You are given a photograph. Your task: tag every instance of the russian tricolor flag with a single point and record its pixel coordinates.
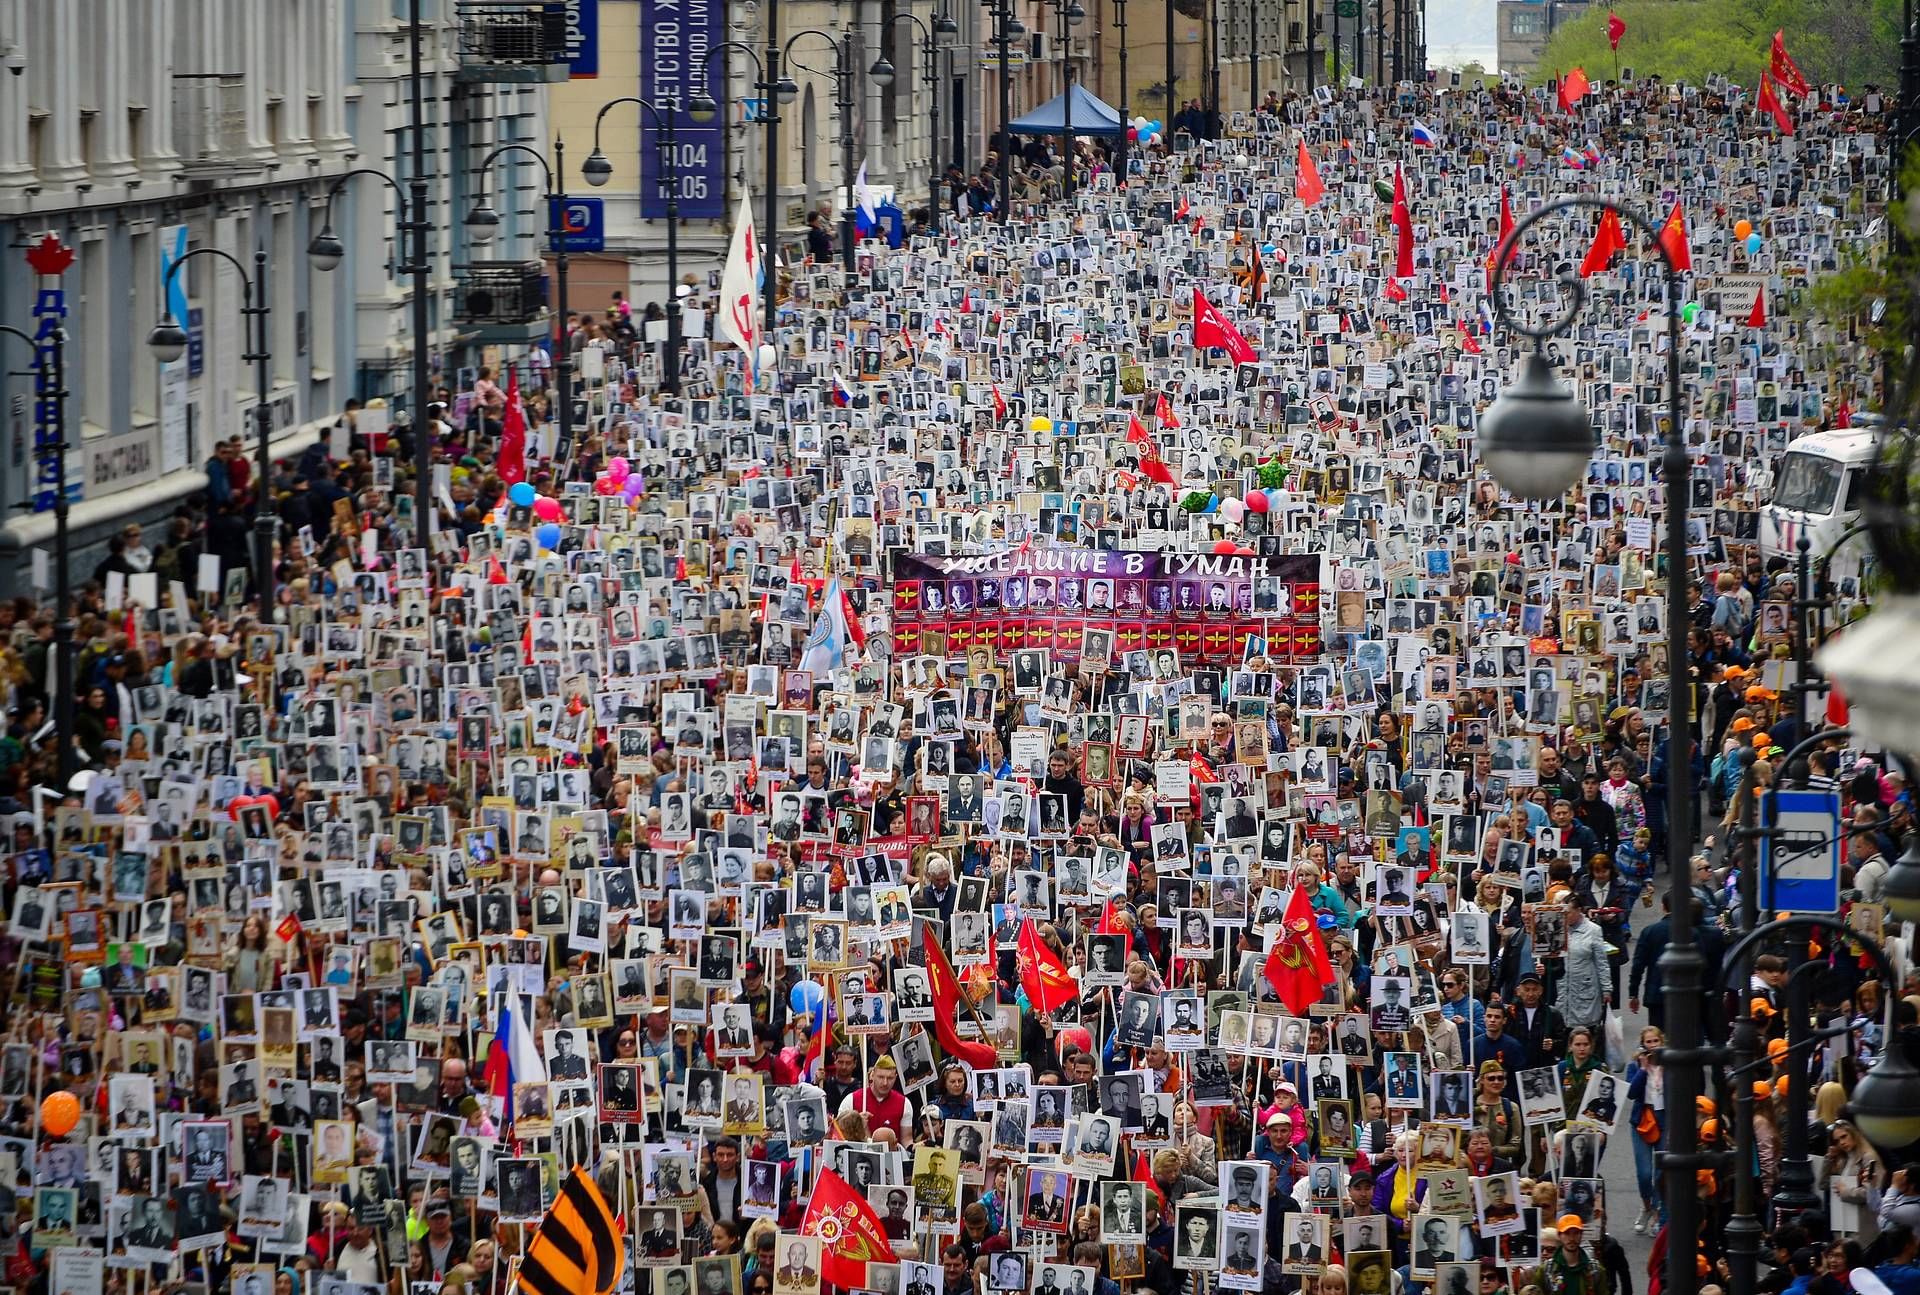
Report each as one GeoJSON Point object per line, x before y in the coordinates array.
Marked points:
{"type": "Point", "coordinates": [1574, 158]}
{"type": "Point", "coordinates": [512, 1058]}
{"type": "Point", "coordinates": [842, 394]}
{"type": "Point", "coordinates": [1423, 136]}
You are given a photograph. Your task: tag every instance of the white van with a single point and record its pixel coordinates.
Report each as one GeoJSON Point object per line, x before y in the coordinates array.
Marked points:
{"type": "Point", "coordinates": [1818, 487]}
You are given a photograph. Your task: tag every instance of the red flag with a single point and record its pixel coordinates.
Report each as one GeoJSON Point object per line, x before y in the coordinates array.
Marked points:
{"type": "Point", "coordinates": [1143, 1174]}
{"type": "Point", "coordinates": [1757, 317]}
{"type": "Point", "coordinates": [1843, 416]}
{"type": "Point", "coordinates": [851, 1234]}
{"type": "Point", "coordinates": [1042, 972]}
{"type": "Point", "coordinates": [1573, 88]}
{"type": "Point", "coordinates": [1499, 252]}
{"type": "Point", "coordinates": [999, 404]}
{"type": "Point", "coordinates": [1163, 411]}
{"type": "Point", "coordinates": [1403, 227]}
{"type": "Point", "coordinates": [1607, 239]}
{"type": "Point", "coordinates": [1769, 103]}
{"type": "Point", "coordinates": [1297, 965]}
{"type": "Point", "coordinates": [1211, 328]}
{"type": "Point", "coordinates": [1154, 468]}
{"type": "Point", "coordinates": [1468, 342]}
{"type": "Point", "coordinates": [511, 461]}
{"type": "Point", "coordinates": [1110, 926]}
{"type": "Point", "coordinates": [1306, 178]}
{"type": "Point", "coordinates": [1615, 29]}
{"type": "Point", "coordinates": [1673, 238]}
{"type": "Point", "coordinates": [1137, 433]}
{"type": "Point", "coordinates": [1784, 69]}
{"type": "Point", "coordinates": [945, 987]}
{"type": "Point", "coordinates": [1838, 711]}
{"type": "Point", "coordinates": [1182, 213]}
{"type": "Point", "coordinates": [496, 574]}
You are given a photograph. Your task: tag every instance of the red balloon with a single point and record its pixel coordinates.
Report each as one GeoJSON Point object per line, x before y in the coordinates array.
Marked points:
{"type": "Point", "coordinates": [1256, 501]}
{"type": "Point", "coordinates": [1132, 134]}
{"type": "Point", "coordinates": [606, 486]}
{"type": "Point", "coordinates": [1224, 548]}
{"type": "Point", "coordinates": [239, 803]}
{"type": "Point", "coordinates": [547, 508]}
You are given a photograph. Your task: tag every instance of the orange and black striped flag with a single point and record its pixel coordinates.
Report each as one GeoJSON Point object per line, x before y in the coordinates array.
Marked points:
{"type": "Point", "coordinates": [577, 1249]}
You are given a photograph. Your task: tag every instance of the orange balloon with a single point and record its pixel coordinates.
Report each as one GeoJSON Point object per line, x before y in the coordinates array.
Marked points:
{"type": "Point", "coordinates": [59, 1113]}
{"type": "Point", "coordinates": [1741, 228]}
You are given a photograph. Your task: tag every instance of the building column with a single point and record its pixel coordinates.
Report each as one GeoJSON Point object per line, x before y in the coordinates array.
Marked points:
{"type": "Point", "coordinates": [158, 18]}
{"type": "Point", "coordinates": [58, 29]}
{"type": "Point", "coordinates": [298, 57]}
{"type": "Point", "coordinates": [334, 30]}
{"type": "Point", "coordinates": [16, 159]}
{"type": "Point", "coordinates": [247, 38]}
{"type": "Point", "coordinates": [114, 30]}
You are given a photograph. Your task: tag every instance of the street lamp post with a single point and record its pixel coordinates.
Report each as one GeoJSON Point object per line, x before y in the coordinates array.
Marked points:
{"type": "Point", "coordinates": [598, 170]}
{"type": "Point", "coordinates": [1068, 14]}
{"type": "Point", "coordinates": [1536, 441]}
{"type": "Point", "coordinates": [704, 109]}
{"type": "Point", "coordinates": [883, 73]}
{"type": "Point", "coordinates": [168, 341]}
{"type": "Point", "coordinates": [483, 221]}
{"type": "Point", "coordinates": [50, 394]}
{"type": "Point", "coordinates": [789, 90]}
{"type": "Point", "coordinates": [1120, 21]}
{"type": "Point", "coordinates": [1173, 74]}
{"type": "Point", "coordinates": [1006, 29]}
{"type": "Point", "coordinates": [419, 227]}
{"type": "Point", "coordinates": [326, 251]}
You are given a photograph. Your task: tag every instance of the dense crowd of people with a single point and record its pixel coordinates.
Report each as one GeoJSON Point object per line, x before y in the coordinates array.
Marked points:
{"type": "Point", "coordinates": [1130, 819]}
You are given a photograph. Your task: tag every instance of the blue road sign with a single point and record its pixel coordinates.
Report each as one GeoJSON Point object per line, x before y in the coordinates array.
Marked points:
{"type": "Point", "coordinates": [584, 219]}
{"type": "Point", "coordinates": [1800, 862]}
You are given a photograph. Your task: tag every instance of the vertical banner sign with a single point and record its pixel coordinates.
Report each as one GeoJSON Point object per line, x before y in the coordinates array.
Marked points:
{"type": "Point", "coordinates": [676, 37]}
{"type": "Point", "coordinates": [49, 260]}
{"type": "Point", "coordinates": [583, 37]}
{"type": "Point", "coordinates": [174, 451]}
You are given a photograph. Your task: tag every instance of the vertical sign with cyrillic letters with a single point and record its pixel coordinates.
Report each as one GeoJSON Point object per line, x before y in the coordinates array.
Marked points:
{"type": "Point", "coordinates": [677, 38]}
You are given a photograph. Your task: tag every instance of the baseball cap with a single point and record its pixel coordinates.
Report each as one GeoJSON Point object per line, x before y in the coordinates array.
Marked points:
{"type": "Point", "coordinates": [1531, 976]}
{"type": "Point", "coordinates": [1741, 725]}
{"type": "Point", "coordinates": [1569, 1222]}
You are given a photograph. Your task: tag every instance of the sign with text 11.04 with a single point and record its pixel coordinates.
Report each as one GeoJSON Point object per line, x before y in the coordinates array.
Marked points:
{"type": "Point", "coordinates": [1800, 856]}
{"type": "Point", "coordinates": [677, 39]}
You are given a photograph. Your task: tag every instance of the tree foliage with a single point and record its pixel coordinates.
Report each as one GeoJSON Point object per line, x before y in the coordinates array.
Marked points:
{"type": "Point", "coordinates": [1850, 42]}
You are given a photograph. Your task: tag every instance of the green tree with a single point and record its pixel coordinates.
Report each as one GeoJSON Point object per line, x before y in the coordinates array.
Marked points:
{"type": "Point", "coordinates": [1851, 42]}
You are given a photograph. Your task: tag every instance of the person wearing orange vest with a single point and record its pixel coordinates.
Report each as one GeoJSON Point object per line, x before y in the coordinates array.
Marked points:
{"type": "Point", "coordinates": [881, 1101]}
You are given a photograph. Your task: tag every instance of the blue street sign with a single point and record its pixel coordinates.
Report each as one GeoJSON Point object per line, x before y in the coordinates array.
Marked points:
{"type": "Point", "coordinates": [753, 109]}
{"type": "Point", "coordinates": [583, 37]}
{"type": "Point", "coordinates": [584, 219]}
{"type": "Point", "coordinates": [1800, 863]}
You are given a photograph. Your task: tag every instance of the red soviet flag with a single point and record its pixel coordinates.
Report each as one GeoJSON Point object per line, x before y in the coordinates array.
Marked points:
{"type": "Point", "coordinates": [1573, 88]}
{"type": "Point", "coordinates": [511, 460]}
{"type": "Point", "coordinates": [1499, 251]}
{"type": "Point", "coordinates": [1607, 239]}
{"type": "Point", "coordinates": [1042, 972]}
{"type": "Point", "coordinates": [1616, 28]}
{"type": "Point", "coordinates": [1403, 227]}
{"type": "Point", "coordinates": [851, 1235]}
{"type": "Point", "coordinates": [1211, 328]}
{"type": "Point", "coordinates": [1784, 69]}
{"type": "Point", "coordinates": [1673, 238]}
{"type": "Point", "coordinates": [1297, 965]}
{"type": "Point", "coordinates": [1757, 317]}
{"type": "Point", "coordinates": [945, 987]}
{"type": "Point", "coordinates": [1769, 103]}
{"type": "Point", "coordinates": [1306, 178]}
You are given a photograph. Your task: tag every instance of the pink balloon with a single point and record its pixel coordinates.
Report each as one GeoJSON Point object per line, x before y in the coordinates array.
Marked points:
{"type": "Point", "coordinates": [618, 468]}
{"type": "Point", "coordinates": [1257, 501]}
{"type": "Point", "coordinates": [547, 508]}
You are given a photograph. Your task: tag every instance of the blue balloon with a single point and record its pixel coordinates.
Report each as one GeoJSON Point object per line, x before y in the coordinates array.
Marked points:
{"type": "Point", "coordinates": [548, 535]}
{"type": "Point", "coordinates": [806, 997]}
{"type": "Point", "coordinates": [522, 493]}
{"type": "Point", "coordinates": [1753, 243]}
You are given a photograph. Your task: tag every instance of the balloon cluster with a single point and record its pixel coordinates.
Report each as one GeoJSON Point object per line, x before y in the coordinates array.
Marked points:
{"type": "Point", "coordinates": [545, 507]}
{"type": "Point", "coordinates": [1230, 509]}
{"type": "Point", "coordinates": [1144, 128]}
{"type": "Point", "coordinates": [1746, 233]}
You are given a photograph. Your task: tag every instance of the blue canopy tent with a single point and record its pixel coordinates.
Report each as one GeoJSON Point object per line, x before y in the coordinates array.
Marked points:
{"type": "Point", "coordinates": [1089, 116]}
